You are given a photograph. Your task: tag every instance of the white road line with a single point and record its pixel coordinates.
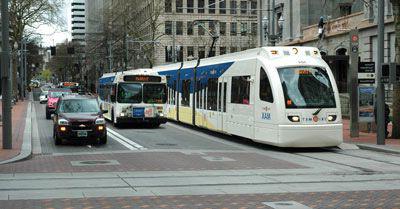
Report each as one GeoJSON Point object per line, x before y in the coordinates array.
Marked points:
{"type": "Point", "coordinates": [121, 141]}
{"type": "Point", "coordinates": [134, 144]}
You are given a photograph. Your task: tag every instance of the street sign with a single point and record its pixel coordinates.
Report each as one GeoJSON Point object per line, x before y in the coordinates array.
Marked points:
{"type": "Point", "coordinates": [366, 96]}
{"type": "Point", "coordinates": [366, 72]}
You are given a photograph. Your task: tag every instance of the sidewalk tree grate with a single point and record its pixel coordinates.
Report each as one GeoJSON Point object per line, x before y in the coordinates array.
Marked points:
{"type": "Point", "coordinates": [94, 162]}
{"type": "Point", "coordinates": [286, 205]}
{"type": "Point", "coordinates": [218, 159]}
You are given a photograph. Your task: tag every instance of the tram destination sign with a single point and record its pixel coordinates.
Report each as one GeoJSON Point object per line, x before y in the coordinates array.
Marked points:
{"type": "Point", "coordinates": [366, 72]}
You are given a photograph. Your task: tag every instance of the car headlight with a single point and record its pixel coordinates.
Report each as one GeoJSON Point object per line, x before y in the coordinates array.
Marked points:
{"type": "Point", "coordinates": [62, 122]}
{"type": "Point", "coordinates": [161, 114]}
{"type": "Point", "coordinates": [100, 121]}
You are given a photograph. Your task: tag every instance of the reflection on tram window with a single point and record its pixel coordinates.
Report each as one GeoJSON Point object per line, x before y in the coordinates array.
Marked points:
{"type": "Point", "coordinates": [240, 91]}
{"type": "Point", "coordinates": [307, 87]}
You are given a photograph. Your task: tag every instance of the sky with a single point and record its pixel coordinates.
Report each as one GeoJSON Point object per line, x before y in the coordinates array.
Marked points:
{"type": "Point", "coordinates": [51, 35]}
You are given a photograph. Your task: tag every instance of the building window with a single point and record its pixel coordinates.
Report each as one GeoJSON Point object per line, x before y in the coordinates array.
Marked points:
{"type": "Point", "coordinates": [201, 30]}
{"type": "Point", "coordinates": [265, 87]}
{"type": "Point", "coordinates": [200, 5]}
{"type": "Point", "coordinates": [243, 7]}
{"type": "Point", "coordinates": [345, 9]}
{"type": "Point", "coordinates": [254, 28]}
{"type": "Point", "coordinates": [179, 5]}
{"type": "Point", "coordinates": [222, 28]}
{"type": "Point", "coordinates": [211, 27]}
{"type": "Point", "coordinates": [168, 6]}
{"type": "Point", "coordinates": [168, 27]}
{"type": "Point", "coordinates": [168, 54]}
{"type": "Point", "coordinates": [233, 28]}
{"type": "Point", "coordinates": [253, 6]}
{"type": "Point", "coordinates": [233, 49]}
{"type": "Point", "coordinates": [240, 91]}
{"type": "Point", "coordinates": [222, 50]}
{"type": "Point", "coordinates": [190, 51]}
{"type": "Point", "coordinates": [190, 6]}
{"type": "Point", "coordinates": [179, 53]}
{"type": "Point", "coordinates": [222, 7]}
{"type": "Point", "coordinates": [189, 28]}
{"type": "Point", "coordinates": [233, 7]}
{"type": "Point", "coordinates": [212, 89]}
{"type": "Point", "coordinates": [185, 93]}
{"type": "Point", "coordinates": [211, 6]}
{"type": "Point", "coordinates": [179, 28]}
{"type": "Point", "coordinates": [243, 29]}
{"type": "Point", "coordinates": [202, 52]}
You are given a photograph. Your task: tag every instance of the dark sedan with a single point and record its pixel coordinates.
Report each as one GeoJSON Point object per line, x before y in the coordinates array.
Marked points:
{"type": "Point", "coordinates": [79, 117]}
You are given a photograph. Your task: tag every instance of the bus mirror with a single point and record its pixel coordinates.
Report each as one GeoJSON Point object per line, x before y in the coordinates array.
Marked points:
{"type": "Point", "coordinates": [251, 80]}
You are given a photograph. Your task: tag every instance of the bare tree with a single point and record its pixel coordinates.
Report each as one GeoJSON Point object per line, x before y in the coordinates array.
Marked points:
{"type": "Point", "coordinates": [396, 87]}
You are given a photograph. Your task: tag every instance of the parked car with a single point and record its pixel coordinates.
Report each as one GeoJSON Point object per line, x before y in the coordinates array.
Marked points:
{"type": "Point", "coordinates": [52, 99]}
{"type": "Point", "coordinates": [79, 117]}
{"type": "Point", "coordinates": [43, 97]}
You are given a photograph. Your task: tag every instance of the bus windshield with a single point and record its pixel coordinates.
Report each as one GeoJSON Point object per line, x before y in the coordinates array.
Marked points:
{"type": "Point", "coordinates": [306, 87]}
{"type": "Point", "coordinates": [154, 93]}
{"type": "Point", "coordinates": [129, 93]}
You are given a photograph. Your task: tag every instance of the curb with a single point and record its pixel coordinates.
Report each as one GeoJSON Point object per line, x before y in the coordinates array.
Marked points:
{"type": "Point", "coordinates": [379, 148]}
{"type": "Point", "coordinates": [26, 148]}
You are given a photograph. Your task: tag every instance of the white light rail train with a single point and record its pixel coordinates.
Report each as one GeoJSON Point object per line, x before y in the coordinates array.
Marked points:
{"type": "Point", "coordinates": [282, 96]}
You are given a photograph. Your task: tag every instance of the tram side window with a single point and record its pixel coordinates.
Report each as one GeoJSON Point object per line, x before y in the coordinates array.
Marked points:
{"type": "Point", "coordinates": [185, 93]}
{"type": "Point", "coordinates": [198, 92]}
{"type": "Point", "coordinates": [173, 93]}
{"type": "Point", "coordinates": [224, 99]}
{"type": "Point", "coordinates": [212, 93]}
{"type": "Point", "coordinates": [265, 87]}
{"type": "Point", "coordinates": [240, 91]}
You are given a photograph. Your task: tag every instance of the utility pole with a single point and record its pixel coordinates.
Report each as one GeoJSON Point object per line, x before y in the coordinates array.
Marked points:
{"type": "Point", "coordinates": [353, 82]}
{"type": "Point", "coordinates": [173, 42]}
{"type": "Point", "coordinates": [110, 56]}
{"type": "Point", "coordinates": [24, 69]}
{"type": "Point", "coordinates": [5, 76]}
{"type": "Point", "coordinates": [260, 23]}
{"type": "Point", "coordinates": [273, 40]}
{"type": "Point", "coordinates": [380, 103]}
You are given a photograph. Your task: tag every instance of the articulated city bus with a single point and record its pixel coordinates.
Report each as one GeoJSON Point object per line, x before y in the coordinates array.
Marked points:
{"type": "Point", "coordinates": [133, 96]}
{"type": "Point", "coordinates": [283, 96]}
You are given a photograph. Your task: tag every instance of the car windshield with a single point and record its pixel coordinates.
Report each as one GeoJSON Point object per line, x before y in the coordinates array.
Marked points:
{"type": "Point", "coordinates": [154, 93]}
{"type": "Point", "coordinates": [59, 93]}
{"type": "Point", "coordinates": [306, 87]}
{"type": "Point", "coordinates": [79, 106]}
{"type": "Point", "coordinates": [129, 93]}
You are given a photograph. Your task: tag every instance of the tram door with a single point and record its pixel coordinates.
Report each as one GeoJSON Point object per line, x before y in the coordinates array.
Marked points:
{"type": "Point", "coordinates": [221, 105]}
{"type": "Point", "coordinates": [265, 111]}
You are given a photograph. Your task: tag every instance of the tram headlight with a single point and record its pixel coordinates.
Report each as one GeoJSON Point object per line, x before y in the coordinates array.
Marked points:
{"type": "Point", "coordinates": [294, 118]}
{"type": "Point", "coordinates": [331, 118]}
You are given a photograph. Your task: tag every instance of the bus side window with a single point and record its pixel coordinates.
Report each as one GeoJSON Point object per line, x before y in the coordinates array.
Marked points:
{"type": "Point", "coordinates": [265, 87]}
{"type": "Point", "coordinates": [113, 93]}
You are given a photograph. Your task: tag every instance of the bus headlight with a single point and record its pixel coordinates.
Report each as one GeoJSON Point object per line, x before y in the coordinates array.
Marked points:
{"type": "Point", "coordinates": [294, 118]}
{"type": "Point", "coordinates": [331, 118]}
{"type": "Point", "coordinates": [122, 114]}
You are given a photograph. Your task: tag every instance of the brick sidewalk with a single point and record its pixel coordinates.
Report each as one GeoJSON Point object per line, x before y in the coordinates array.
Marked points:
{"type": "Point", "coordinates": [18, 122]}
{"type": "Point", "coordinates": [366, 138]}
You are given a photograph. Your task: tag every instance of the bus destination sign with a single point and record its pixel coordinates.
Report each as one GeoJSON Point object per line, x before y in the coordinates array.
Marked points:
{"type": "Point", "coordinates": [142, 78]}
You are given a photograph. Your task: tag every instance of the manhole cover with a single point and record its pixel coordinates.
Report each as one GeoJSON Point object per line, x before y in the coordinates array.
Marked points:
{"type": "Point", "coordinates": [218, 159]}
{"type": "Point", "coordinates": [286, 205]}
{"type": "Point", "coordinates": [94, 162]}
{"type": "Point", "coordinates": [166, 144]}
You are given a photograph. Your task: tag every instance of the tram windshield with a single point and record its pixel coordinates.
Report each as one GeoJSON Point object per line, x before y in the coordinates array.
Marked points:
{"type": "Point", "coordinates": [307, 87]}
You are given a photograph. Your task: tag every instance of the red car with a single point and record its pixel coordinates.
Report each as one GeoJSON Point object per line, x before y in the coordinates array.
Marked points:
{"type": "Point", "coordinates": [79, 117]}
{"type": "Point", "coordinates": [52, 99]}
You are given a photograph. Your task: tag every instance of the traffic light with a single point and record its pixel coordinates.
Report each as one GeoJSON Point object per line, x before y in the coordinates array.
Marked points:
{"type": "Point", "coordinates": [53, 50]}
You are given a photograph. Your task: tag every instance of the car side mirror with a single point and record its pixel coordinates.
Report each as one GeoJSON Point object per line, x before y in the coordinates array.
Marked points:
{"type": "Point", "coordinates": [104, 111]}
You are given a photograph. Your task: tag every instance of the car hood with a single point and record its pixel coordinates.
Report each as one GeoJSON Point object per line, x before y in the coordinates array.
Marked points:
{"type": "Point", "coordinates": [80, 116]}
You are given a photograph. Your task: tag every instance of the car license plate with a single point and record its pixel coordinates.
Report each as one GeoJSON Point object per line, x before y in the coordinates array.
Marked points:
{"type": "Point", "coordinates": [82, 133]}
{"type": "Point", "coordinates": [138, 112]}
